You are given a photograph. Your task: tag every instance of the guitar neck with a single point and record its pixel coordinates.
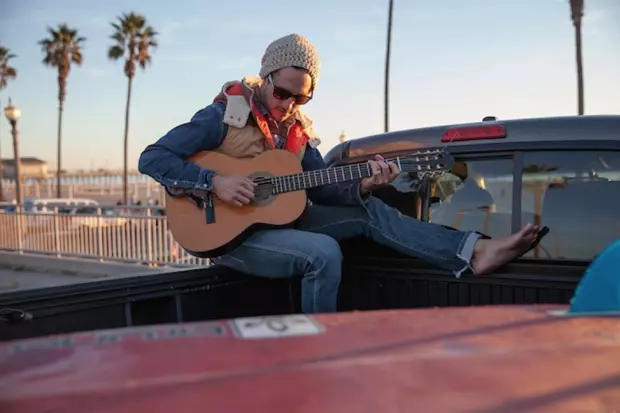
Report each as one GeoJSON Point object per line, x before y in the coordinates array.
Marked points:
{"type": "Point", "coordinates": [424, 162]}
{"type": "Point", "coordinates": [320, 177]}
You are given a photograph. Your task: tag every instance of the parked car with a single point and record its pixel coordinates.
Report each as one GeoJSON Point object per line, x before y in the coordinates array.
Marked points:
{"type": "Point", "coordinates": [39, 212]}
{"type": "Point", "coordinates": [87, 217]}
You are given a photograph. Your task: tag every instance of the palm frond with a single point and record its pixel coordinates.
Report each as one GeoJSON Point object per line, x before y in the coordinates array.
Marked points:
{"type": "Point", "coordinates": [7, 72]}
{"type": "Point", "coordinates": [576, 7]}
{"type": "Point", "coordinates": [115, 52]}
{"type": "Point", "coordinates": [5, 54]}
{"type": "Point", "coordinates": [134, 40]}
{"type": "Point", "coordinates": [118, 37]}
{"type": "Point", "coordinates": [77, 58]}
{"type": "Point", "coordinates": [62, 47]}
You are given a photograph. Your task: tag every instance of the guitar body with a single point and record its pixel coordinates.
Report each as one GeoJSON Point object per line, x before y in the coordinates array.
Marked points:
{"type": "Point", "coordinates": [232, 224]}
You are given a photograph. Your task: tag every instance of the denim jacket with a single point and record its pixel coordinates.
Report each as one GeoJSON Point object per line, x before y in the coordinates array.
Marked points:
{"type": "Point", "coordinates": [164, 160]}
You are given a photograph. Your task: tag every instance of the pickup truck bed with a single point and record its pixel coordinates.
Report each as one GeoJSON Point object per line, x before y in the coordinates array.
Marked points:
{"type": "Point", "coordinates": [373, 278]}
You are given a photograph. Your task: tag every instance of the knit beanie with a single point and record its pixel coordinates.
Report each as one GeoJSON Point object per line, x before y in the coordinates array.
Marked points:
{"type": "Point", "coordinates": [291, 50]}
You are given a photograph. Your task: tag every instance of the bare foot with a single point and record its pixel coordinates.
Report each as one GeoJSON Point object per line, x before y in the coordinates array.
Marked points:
{"type": "Point", "coordinates": [490, 254]}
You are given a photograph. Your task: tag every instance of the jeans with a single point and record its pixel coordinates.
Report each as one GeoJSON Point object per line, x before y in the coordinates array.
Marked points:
{"type": "Point", "coordinates": [312, 250]}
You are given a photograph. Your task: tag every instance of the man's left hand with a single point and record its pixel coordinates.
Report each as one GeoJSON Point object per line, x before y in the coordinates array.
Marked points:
{"type": "Point", "coordinates": [382, 174]}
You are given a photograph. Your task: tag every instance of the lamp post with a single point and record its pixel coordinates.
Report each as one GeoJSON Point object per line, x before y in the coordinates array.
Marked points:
{"type": "Point", "coordinates": [13, 114]}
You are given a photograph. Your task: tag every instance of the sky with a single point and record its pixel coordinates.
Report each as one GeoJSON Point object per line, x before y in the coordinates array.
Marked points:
{"type": "Point", "coordinates": [452, 61]}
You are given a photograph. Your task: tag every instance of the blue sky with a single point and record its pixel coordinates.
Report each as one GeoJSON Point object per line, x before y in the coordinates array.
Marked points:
{"type": "Point", "coordinates": [452, 61]}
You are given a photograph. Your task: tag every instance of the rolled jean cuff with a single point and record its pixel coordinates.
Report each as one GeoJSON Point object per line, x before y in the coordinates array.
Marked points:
{"type": "Point", "coordinates": [466, 251]}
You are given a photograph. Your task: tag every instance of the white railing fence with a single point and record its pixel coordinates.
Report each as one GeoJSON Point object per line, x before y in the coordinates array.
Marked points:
{"type": "Point", "coordinates": [121, 234]}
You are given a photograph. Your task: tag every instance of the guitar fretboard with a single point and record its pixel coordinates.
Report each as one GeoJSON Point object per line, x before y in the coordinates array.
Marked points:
{"type": "Point", "coordinates": [430, 161]}
{"type": "Point", "coordinates": [312, 179]}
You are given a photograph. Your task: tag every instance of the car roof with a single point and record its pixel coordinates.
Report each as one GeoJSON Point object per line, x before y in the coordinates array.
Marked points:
{"type": "Point", "coordinates": [521, 133]}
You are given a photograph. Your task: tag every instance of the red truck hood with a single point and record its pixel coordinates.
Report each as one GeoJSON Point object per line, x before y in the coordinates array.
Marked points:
{"type": "Point", "coordinates": [476, 359]}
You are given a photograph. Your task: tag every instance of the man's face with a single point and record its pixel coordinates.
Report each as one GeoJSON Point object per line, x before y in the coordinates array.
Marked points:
{"type": "Point", "coordinates": [285, 90]}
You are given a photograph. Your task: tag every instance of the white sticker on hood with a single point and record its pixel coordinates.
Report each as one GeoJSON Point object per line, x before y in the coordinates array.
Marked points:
{"type": "Point", "coordinates": [276, 326]}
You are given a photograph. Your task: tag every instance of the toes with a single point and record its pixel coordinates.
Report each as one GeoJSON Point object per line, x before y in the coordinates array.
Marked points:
{"type": "Point", "coordinates": [533, 230]}
{"type": "Point", "coordinates": [527, 231]}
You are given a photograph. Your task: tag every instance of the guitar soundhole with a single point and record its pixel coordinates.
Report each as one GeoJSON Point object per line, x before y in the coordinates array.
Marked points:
{"type": "Point", "coordinates": [263, 193]}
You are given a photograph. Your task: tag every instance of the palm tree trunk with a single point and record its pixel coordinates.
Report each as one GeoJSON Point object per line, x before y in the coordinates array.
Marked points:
{"type": "Point", "coordinates": [387, 66]}
{"type": "Point", "coordinates": [63, 73]}
{"type": "Point", "coordinates": [126, 144]}
{"type": "Point", "coordinates": [580, 99]}
{"type": "Point", "coordinates": [59, 152]}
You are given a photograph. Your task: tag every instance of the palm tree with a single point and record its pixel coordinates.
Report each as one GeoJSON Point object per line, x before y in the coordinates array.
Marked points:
{"type": "Point", "coordinates": [62, 48]}
{"type": "Point", "coordinates": [576, 8]}
{"type": "Point", "coordinates": [387, 64]}
{"type": "Point", "coordinates": [6, 73]}
{"type": "Point", "coordinates": [134, 40]}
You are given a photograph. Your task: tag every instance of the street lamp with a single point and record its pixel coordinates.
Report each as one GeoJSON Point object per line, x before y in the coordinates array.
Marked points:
{"type": "Point", "coordinates": [13, 114]}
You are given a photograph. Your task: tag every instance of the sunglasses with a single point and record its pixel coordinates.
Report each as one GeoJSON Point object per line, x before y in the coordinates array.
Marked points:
{"type": "Point", "coordinates": [283, 94]}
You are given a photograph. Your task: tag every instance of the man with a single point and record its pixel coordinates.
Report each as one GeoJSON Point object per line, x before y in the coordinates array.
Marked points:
{"type": "Point", "coordinates": [258, 114]}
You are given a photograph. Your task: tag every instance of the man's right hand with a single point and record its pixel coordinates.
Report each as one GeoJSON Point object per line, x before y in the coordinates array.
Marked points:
{"type": "Point", "coordinates": [234, 189]}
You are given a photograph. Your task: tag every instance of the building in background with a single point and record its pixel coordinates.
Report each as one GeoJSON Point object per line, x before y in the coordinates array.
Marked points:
{"type": "Point", "coordinates": [343, 137]}
{"type": "Point", "coordinates": [31, 168]}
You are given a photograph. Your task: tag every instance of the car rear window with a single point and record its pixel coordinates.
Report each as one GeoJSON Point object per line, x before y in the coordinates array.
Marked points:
{"type": "Point", "coordinates": [575, 193]}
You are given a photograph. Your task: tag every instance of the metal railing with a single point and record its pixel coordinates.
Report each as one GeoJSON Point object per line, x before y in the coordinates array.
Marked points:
{"type": "Point", "coordinates": [111, 233]}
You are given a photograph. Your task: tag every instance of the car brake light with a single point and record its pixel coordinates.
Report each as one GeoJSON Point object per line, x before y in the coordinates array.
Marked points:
{"type": "Point", "coordinates": [470, 133]}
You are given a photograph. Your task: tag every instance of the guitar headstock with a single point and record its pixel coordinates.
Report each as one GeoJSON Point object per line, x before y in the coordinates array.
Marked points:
{"type": "Point", "coordinates": [427, 163]}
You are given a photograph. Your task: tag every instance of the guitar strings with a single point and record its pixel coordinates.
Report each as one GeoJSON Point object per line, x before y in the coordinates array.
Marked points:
{"type": "Point", "coordinates": [270, 182]}
{"type": "Point", "coordinates": [403, 162]}
{"type": "Point", "coordinates": [405, 167]}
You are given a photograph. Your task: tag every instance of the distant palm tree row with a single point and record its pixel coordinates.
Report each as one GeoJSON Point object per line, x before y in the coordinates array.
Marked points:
{"type": "Point", "coordinates": [133, 41]}
{"type": "Point", "coordinates": [577, 8]}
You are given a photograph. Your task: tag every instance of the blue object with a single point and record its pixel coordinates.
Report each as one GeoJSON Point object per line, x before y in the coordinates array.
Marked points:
{"type": "Point", "coordinates": [599, 289]}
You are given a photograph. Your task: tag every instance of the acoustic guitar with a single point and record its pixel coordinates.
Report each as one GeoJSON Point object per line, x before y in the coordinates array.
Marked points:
{"type": "Point", "coordinates": [212, 227]}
